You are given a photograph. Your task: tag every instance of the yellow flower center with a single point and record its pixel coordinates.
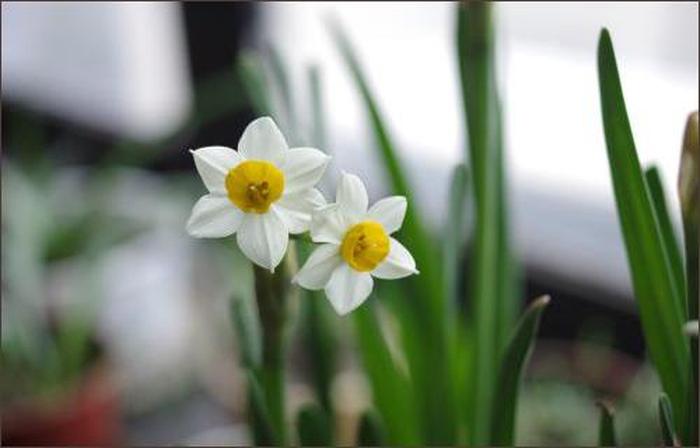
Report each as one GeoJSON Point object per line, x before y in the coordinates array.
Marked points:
{"type": "Point", "coordinates": [254, 185]}
{"type": "Point", "coordinates": [365, 245]}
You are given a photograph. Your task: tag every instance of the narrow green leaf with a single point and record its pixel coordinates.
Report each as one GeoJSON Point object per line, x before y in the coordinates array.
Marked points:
{"type": "Point", "coordinates": [652, 277]}
{"type": "Point", "coordinates": [453, 242]}
{"type": "Point", "coordinates": [606, 430]}
{"type": "Point", "coordinates": [492, 276]}
{"type": "Point", "coordinates": [252, 77]}
{"type": "Point", "coordinates": [511, 373]}
{"type": "Point", "coordinates": [314, 427]}
{"type": "Point", "coordinates": [689, 195]}
{"type": "Point", "coordinates": [658, 200]}
{"type": "Point", "coordinates": [370, 431]}
{"type": "Point", "coordinates": [668, 433]}
{"type": "Point", "coordinates": [247, 329]}
{"type": "Point", "coordinates": [428, 358]}
{"type": "Point", "coordinates": [258, 415]}
{"type": "Point", "coordinates": [391, 391]}
{"type": "Point", "coordinates": [318, 117]}
{"type": "Point", "coordinates": [281, 80]}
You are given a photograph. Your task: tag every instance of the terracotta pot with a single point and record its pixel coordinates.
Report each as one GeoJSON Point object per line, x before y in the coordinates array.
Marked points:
{"type": "Point", "coordinates": [87, 415]}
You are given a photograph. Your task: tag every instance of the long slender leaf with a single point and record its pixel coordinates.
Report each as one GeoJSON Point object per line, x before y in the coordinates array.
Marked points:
{"type": "Point", "coordinates": [370, 431]}
{"type": "Point", "coordinates": [668, 432]}
{"type": "Point", "coordinates": [511, 373]}
{"type": "Point", "coordinates": [314, 427]}
{"type": "Point", "coordinates": [259, 416]}
{"type": "Point", "coordinates": [428, 361]}
{"type": "Point", "coordinates": [252, 77]}
{"type": "Point", "coordinates": [658, 198]}
{"type": "Point", "coordinates": [492, 274]}
{"type": "Point", "coordinates": [689, 195]}
{"type": "Point", "coordinates": [393, 396]}
{"type": "Point", "coordinates": [606, 430]}
{"type": "Point", "coordinates": [652, 276]}
{"type": "Point", "coordinates": [453, 241]}
{"type": "Point", "coordinates": [281, 80]}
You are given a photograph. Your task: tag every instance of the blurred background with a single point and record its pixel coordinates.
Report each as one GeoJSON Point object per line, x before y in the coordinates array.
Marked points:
{"type": "Point", "coordinates": [116, 324]}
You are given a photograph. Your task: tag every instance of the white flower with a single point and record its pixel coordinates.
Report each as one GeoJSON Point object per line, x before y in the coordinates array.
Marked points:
{"type": "Point", "coordinates": [262, 192]}
{"type": "Point", "coordinates": [355, 246]}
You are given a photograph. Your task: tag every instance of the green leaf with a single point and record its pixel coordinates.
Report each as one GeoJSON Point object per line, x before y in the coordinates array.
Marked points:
{"type": "Point", "coordinates": [652, 276]}
{"type": "Point", "coordinates": [428, 357]}
{"type": "Point", "coordinates": [658, 198]}
{"type": "Point", "coordinates": [492, 276]}
{"type": "Point", "coordinates": [258, 415]}
{"type": "Point", "coordinates": [689, 195]}
{"type": "Point", "coordinates": [606, 430]}
{"type": "Point", "coordinates": [391, 391]}
{"type": "Point", "coordinates": [453, 242]}
{"type": "Point", "coordinates": [318, 118]}
{"type": "Point", "coordinates": [371, 430]}
{"type": "Point", "coordinates": [314, 427]}
{"type": "Point", "coordinates": [247, 328]}
{"type": "Point", "coordinates": [252, 77]}
{"type": "Point", "coordinates": [511, 373]}
{"type": "Point", "coordinates": [281, 81]}
{"type": "Point", "coordinates": [666, 420]}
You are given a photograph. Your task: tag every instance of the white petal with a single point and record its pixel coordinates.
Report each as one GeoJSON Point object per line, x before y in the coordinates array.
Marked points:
{"type": "Point", "coordinates": [318, 267]}
{"type": "Point", "coordinates": [352, 195]}
{"type": "Point", "coordinates": [399, 263]}
{"type": "Point", "coordinates": [263, 238]}
{"type": "Point", "coordinates": [296, 209]}
{"type": "Point", "coordinates": [213, 164]}
{"type": "Point", "coordinates": [348, 288]}
{"type": "Point", "coordinates": [303, 168]}
{"type": "Point", "coordinates": [262, 140]}
{"type": "Point", "coordinates": [329, 224]}
{"type": "Point", "coordinates": [389, 212]}
{"type": "Point", "coordinates": [214, 216]}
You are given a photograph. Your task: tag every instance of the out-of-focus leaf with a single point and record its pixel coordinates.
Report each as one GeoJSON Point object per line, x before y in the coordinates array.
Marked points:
{"type": "Point", "coordinates": [689, 195]}
{"type": "Point", "coordinates": [492, 279]}
{"type": "Point", "coordinates": [314, 427]}
{"type": "Point", "coordinates": [259, 417]}
{"type": "Point", "coordinates": [252, 76]}
{"type": "Point", "coordinates": [428, 359]}
{"type": "Point", "coordinates": [453, 241]}
{"type": "Point", "coordinates": [280, 77]}
{"type": "Point", "coordinates": [668, 432]}
{"type": "Point", "coordinates": [370, 430]}
{"type": "Point", "coordinates": [391, 390]}
{"type": "Point", "coordinates": [247, 330]}
{"type": "Point", "coordinates": [651, 272]}
{"type": "Point", "coordinates": [318, 118]}
{"type": "Point", "coordinates": [658, 199]}
{"type": "Point", "coordinates": [606, 430]}
{"type": "Point", "coordinates": [511, 373]}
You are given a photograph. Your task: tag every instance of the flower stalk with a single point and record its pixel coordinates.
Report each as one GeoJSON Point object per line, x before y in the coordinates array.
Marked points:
{"type": "Point", "coordinates": [272, 295]}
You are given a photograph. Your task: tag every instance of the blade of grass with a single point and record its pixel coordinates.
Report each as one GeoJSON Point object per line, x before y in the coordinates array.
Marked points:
{"type": "Point", "coordinates": [314, 427]}
{"type": "Point", "coordinates": [668, 433]}
{"type": "Point", "coordinates": [606, 430]}
{"type": "Point", "coordinates": [658, 200]}
{"type": "Point", "coordinates": [391, 389]}
{"type": "Point", "coordinates": [428, 359]}
{"type": "Point", "coordinates": [492, 272]}
{"type": "Point", "coordinates": [511, 373]}
{"type": "Point", "coordinates": [652, 276]}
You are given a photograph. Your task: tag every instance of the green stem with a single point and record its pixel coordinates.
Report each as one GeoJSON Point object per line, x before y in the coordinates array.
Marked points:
{"type": "Point", "coordinates": [271, 291]}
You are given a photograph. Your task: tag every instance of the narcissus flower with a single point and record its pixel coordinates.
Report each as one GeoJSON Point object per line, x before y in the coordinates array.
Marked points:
{"type": "Point", "coordinates": [356, 246]}
{"type": "Point", "coordinates": [262, 192]}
